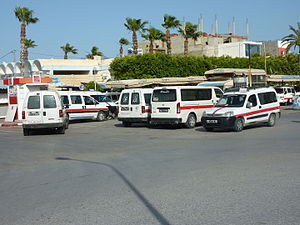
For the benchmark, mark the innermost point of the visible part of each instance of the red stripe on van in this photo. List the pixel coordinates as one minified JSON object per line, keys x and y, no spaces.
{"x":196,"y":107}
{"x":86,"y":110}
{"x":258,"y":111}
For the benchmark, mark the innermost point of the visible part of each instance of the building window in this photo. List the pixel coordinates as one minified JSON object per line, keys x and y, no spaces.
{"x":253,"y":49}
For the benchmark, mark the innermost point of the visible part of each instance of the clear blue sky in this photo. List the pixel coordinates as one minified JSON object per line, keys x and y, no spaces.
{"x":87,"y":23}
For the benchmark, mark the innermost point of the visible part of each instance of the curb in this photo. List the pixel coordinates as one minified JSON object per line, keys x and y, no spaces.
{"x":8,"y":124}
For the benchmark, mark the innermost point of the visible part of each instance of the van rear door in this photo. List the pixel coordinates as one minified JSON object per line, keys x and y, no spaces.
{"x":33,"y":110}
{"x":51,"y":107}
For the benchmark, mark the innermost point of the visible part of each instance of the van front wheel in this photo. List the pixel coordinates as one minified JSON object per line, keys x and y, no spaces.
{"x":191,"y":121}
{"x":100,"y":116}
{"x":238,"y":125}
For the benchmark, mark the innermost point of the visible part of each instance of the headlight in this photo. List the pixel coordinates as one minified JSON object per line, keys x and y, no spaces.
{"x":228,"y":114}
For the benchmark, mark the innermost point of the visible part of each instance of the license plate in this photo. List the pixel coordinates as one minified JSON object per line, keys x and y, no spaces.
{"x":211,"y":121}
{"x":33,"y":113}
{"x":163,"y":110}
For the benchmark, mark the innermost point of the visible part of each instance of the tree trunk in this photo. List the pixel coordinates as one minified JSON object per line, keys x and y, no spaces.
{"x":135,"y":43}
{"x":151,"y":47}
{"x":22,"y":50}
{"x":121,"y":51}
{"x":66,"y":55}
{"x":186,"y":46}
{"x":26,"y":54}
{"x":169,"y":48}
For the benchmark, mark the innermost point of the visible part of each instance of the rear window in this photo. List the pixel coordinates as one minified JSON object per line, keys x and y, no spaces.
{"x":101,"y":98}
{"x":267,"y":97}
{"x":49,"y":101}
{"x":76,"y":99}
{"x":147,"y":99}
{"x":33,"y":102}
{"x":125,"y":99}
{"x":164,"y":95}
{"x":195,"y":94}
{"x":135,"y":98}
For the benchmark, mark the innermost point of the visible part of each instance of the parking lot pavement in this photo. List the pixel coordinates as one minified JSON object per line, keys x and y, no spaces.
{"x":104,"y":173}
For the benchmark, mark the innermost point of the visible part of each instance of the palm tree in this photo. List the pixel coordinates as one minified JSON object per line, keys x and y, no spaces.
{"x":135,"y":25}
{"x":152,"y":35}
{"x":188,"y":31}
{"x":68,"y":48}
{"x":25,"y":16}
{"x":94,"y":52}
{"x":170,"y":22}
{"x":28,"y":43}
{"x":123,"y":41}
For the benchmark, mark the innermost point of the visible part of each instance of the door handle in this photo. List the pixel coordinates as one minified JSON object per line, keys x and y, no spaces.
{"x":130,"y":108}
{"x":259,"y":107}
{"x":44,"y":113}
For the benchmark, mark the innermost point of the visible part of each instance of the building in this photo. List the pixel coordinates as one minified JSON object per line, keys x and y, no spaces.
{"x":275,"y":48}
{"x":71,"y":72}
{"x":208,"y":45}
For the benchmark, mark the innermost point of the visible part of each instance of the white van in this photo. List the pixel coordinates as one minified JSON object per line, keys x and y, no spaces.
{"x":43,"y":109}
{"x":285,"y":94}
{"x":134,"y":106}
{"x":82,"y":106}
{"x":182,"y":104}
{"x":102,"y":98}
{"x":240,"y":107}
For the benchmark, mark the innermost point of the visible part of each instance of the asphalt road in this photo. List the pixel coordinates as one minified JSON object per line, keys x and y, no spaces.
{"x":103,"y":173}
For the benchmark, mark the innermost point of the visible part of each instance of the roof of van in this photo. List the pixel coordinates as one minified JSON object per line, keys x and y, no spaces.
{"x":249,"y":90}
{"x":180,"y":87}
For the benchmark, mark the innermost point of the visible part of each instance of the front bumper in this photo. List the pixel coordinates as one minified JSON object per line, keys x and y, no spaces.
{"x":166,"y":120}
{"x":43,"y":125}
{"x":221,"y":122}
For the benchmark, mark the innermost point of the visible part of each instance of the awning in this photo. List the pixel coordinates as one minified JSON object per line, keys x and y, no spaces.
{"x":283,"y":78}
{"x":222,"y":84}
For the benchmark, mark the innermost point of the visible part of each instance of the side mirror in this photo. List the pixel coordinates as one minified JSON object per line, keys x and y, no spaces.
{"x":249,"y":105}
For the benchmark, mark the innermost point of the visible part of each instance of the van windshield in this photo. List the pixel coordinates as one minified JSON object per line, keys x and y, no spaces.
{"x":164,"y":95}
{"x":101,"y":98}
{"x":231,"y":101}
{"x":279,"y":90}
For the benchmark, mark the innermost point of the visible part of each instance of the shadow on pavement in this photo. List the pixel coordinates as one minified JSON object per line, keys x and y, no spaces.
{"x":159,"y":217}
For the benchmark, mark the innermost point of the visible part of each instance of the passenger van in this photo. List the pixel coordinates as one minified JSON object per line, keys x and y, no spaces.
{"x":102,"y":98}
{"x":135,"y":106}
{"x":79,"y":105}
{"x":43,"y":109}
{"x":240,"y":107}
{"x":285,"y":94}
{"x":182,"y":104}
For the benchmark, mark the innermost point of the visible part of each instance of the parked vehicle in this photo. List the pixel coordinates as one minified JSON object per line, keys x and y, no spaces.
{"x":102,"y":98}
{"x":114,"y":96}
{"x":43,"y":109}
{"x":79,"y":105}
{"x":285,"y":94}
{"x":182,"y":104}
{"x":297,"y":90}
{"x":134,"y":106}
{"x":241,"y":107}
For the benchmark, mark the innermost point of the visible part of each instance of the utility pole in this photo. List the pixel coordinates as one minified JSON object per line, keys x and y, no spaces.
{"x":250,"y":74}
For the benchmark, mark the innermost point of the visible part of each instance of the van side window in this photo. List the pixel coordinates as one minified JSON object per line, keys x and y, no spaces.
{"x":219,"y":93}
{"x":33,"y":102}
{"x":125,"y":99}
{"x":49,"y":101}
{"x":147,"y":99}
{"x":76,"y":99}
{"x":135,"y":98}
{"x":253,"y":100}
{"x":64,"y":99}
{"x":267,"y":97}
{"x":88,"y":100}
{"x":195,"y":94}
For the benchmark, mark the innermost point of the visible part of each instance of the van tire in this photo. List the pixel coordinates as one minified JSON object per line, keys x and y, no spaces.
{"x":100,"y":116}
{"x":126,"y":124}
{"x":67,"y":122}
{"x":191,"y":121}
{"x":238,"y":124}
{"x":61,"y":130}
{"x":272,"y":120}
{"x":26,"y":132}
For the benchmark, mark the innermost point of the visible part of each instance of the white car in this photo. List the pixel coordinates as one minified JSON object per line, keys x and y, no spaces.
{"x":240,"y":107}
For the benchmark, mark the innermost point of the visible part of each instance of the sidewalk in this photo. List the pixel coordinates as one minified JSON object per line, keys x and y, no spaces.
{"x":9,"y":124}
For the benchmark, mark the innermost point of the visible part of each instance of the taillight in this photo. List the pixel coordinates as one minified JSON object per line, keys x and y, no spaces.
{"x":143,"y":109}
{"x":61,"y":113}
{"x":23,"y":115}
{"x":178,"y":108}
